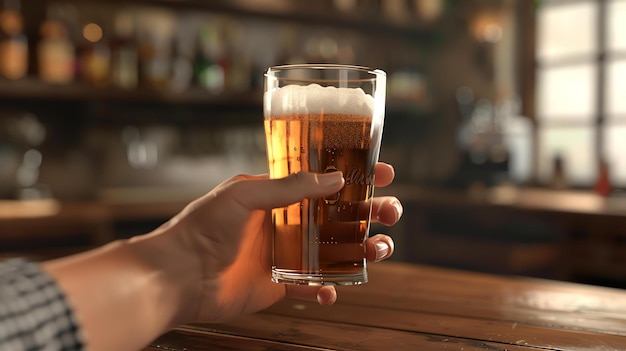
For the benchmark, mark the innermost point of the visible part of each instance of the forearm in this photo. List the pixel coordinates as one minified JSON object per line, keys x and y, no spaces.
{"x":126,"y":293}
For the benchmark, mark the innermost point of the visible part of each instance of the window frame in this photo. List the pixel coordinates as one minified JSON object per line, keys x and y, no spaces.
{"x":531,"y":65}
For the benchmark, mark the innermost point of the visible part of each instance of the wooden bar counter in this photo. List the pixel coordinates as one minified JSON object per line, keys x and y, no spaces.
{"x":411,"y":307}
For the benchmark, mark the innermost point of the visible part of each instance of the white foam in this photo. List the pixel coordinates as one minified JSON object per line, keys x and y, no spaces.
{"x":313,"y":98}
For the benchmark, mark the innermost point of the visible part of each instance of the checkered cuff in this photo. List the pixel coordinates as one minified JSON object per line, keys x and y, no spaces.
{"x":34,"y":314}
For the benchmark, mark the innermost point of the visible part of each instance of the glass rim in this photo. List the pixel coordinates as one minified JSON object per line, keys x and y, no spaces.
{"x":326,"y":66}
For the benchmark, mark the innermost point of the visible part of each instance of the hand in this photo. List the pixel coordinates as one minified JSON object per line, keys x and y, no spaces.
{"x":228,"y":235}
{"x":211,"y":262}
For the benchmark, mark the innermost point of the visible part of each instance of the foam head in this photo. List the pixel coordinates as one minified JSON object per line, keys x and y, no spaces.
{"x":314,"y":99}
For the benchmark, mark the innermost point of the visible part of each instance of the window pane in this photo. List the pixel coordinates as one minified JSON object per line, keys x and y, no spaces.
{"x":615,"y":147}
{"x":575,"y":146}
{"x":566,"y":29}
{"x":616,"y":24}
{"x":566,"y":93}
{"x":616,"y":89}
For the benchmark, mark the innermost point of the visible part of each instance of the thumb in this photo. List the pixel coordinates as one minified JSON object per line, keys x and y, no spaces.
{"x":265,"y":194}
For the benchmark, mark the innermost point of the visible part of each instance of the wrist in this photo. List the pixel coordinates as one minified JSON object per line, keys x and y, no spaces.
{"x":174,"y":274}
{"x":128,"y":292}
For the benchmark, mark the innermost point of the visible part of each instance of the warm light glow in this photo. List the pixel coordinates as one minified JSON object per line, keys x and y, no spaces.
{"x":92,"y":32}
{"x":29,"y":208}
{"x":429,"y":10}
{"x":487,"y":27}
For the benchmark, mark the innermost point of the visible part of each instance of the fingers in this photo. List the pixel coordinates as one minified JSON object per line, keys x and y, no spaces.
{"x":386,"y":210}
{"x":264,"y":193}
{"x":270,"y":193}
{"x":378,"y":247}
{"x":384,"y":174}
{"x":324,"y":295}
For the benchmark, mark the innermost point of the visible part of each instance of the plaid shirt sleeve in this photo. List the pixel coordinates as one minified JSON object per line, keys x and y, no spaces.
{"x":34,"y":314}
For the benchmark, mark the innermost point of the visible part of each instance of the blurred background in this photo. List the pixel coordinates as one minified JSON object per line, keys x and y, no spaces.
{"x":505,"y":120}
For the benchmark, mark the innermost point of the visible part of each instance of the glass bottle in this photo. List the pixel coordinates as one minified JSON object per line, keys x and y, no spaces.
{"x":125,"y":57}
{"x":55,"y":53}
{"x":155,"y":33}
{"x":95,"y":56}
{"x":13,"y":45}
{"x":211,"y":64}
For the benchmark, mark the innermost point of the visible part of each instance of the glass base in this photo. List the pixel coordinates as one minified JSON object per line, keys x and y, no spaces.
{"x":290,"y":277}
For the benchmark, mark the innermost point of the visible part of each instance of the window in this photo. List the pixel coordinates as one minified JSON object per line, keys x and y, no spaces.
{"x":580,"y":101}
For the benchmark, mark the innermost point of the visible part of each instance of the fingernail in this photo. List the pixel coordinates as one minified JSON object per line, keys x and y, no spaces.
{"x":329,"y":179}
{"x":399,"y":209}
{"x":382,"y":250}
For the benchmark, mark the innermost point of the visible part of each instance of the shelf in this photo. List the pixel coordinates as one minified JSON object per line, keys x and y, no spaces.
{"x":303,"y":11}
{"x":33,"y":89}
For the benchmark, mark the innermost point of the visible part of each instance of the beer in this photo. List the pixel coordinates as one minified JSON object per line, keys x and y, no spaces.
{"x":319,"y":119}
{"x":322,"y":143}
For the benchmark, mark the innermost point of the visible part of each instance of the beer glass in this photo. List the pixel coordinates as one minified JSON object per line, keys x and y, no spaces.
{"x":323,"y":118}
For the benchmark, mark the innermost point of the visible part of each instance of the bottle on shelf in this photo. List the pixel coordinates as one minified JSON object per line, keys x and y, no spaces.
{"x":124,"y":55}
{"x":184,"y":46}
{"x":211,"y":62}
{"x":239,"y":54}
{"x":95,"y":56}
{"x":603,"y":186}
{"x":559,"y":176}
{"x":13,"y":42}
{"x":155,"y":35}
{"x":55,"y":53}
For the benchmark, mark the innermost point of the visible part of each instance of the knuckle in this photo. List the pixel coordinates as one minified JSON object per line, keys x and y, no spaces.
{"x":298,"y":178}
{"x":239,"y":178}
{"x":235,"y":185}
{"x":237,"y":181}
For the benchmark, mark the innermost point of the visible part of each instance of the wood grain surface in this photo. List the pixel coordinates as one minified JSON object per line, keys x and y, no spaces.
{"x":411,"y":307}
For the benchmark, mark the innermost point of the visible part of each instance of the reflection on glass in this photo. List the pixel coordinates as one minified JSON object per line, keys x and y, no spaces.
{"x":566,"y":93}
{"x":575,"y":146}
{"x":616,"y":24}
{"x":616,"y":89}
{"x":566,"y":29}
{"x":614,"y":146}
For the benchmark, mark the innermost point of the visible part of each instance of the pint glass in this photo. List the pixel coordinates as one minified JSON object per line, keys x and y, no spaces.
{"x":324,"y":118}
